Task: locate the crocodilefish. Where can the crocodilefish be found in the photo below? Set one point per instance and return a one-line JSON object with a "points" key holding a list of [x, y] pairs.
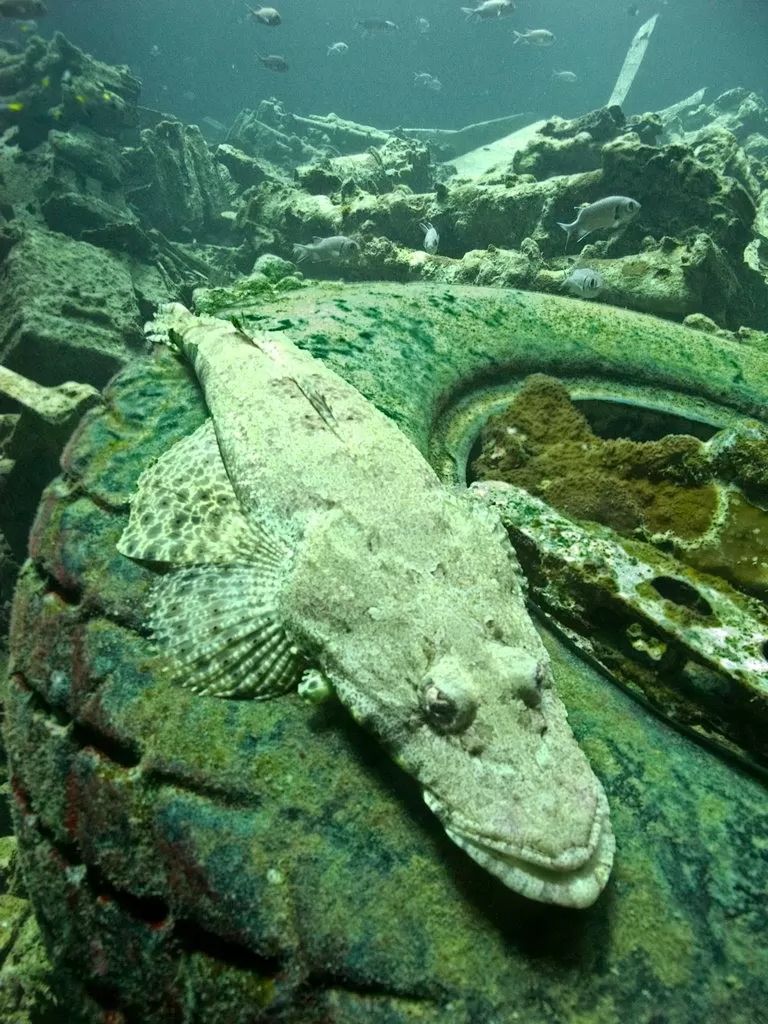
{"points": [[311, 545]]}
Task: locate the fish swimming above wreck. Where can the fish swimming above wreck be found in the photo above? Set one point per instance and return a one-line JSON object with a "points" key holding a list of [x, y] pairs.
{"points": [[583, 283], [20, 9], [610, 212], [489, 9], [325, 250], [310, 544], [431, 236], [273, 61]]}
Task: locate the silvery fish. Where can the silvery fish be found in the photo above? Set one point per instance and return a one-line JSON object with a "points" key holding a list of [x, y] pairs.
{"points": [[611, 212], [336, 247], [20, 9], [273, 61], [265, 15], [565, 76], [535, 36], [489, 9], [371, 25], [309, 544], [431, 236], [584, 283], [428, 81], [422, 25], [337, 48]]}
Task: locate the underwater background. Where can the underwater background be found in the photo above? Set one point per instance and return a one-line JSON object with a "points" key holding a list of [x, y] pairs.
{"points": [[196, 57], [557, 323]]}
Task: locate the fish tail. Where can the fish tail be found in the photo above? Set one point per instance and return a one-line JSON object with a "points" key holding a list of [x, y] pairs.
{"points": [[300, 252], [568, 229], [518, 37]]}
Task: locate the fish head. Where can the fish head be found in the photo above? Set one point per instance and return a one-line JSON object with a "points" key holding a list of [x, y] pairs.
{"points": [[433, 652], [349, 247], [628, 209], [501, 770]]}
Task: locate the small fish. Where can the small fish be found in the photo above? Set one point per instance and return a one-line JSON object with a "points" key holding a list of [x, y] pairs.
{"points": [[565, 76], [322, 250], [611, 212], [427, 81], [154, 50], [583, 283], [22, 9], [11, 108], [30, 25], [273, 62], [265, 15], [422, 25], [372, 25], [337, 48], [431, 236], [489, 9], [535, 36]]}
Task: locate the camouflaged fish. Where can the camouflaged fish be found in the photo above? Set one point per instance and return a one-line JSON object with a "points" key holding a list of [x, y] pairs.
{"points": [[311, 545]]}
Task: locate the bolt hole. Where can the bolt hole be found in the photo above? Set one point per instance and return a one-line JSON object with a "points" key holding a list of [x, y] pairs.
{"points": [[682, 593]]}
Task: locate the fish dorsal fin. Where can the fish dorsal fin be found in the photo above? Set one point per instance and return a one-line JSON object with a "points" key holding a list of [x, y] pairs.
{"points": [[219, 628], [185, 511]]}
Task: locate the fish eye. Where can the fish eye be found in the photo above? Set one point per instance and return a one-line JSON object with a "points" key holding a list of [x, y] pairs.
{"points": [[447, 704], [444, 712], [530, 693]]}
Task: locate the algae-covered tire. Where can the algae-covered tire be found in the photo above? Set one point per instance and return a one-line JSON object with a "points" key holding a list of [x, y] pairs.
{"points": [[192, 859]]}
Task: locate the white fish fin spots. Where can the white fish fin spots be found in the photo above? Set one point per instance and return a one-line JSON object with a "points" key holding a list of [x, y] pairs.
{"points": [[185, 512], [220, 629]]}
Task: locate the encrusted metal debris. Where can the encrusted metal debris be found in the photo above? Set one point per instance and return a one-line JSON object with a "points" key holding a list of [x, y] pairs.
{"points": [[690, 645]]}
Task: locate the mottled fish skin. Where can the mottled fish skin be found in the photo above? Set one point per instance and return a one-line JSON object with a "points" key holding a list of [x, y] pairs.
{"points": [[610, 212], [328, 528]]}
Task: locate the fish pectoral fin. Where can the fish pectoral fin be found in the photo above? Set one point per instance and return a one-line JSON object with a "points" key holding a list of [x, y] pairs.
{"points": [[219, 628], [315, 687], [185, 512]]}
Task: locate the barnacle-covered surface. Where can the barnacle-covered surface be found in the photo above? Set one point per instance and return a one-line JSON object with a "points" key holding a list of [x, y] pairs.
{"points": [[246, 862], [688, 643]]}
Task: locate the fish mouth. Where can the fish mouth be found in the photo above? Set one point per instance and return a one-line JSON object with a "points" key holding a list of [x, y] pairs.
{"points": [[575, 878]]}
